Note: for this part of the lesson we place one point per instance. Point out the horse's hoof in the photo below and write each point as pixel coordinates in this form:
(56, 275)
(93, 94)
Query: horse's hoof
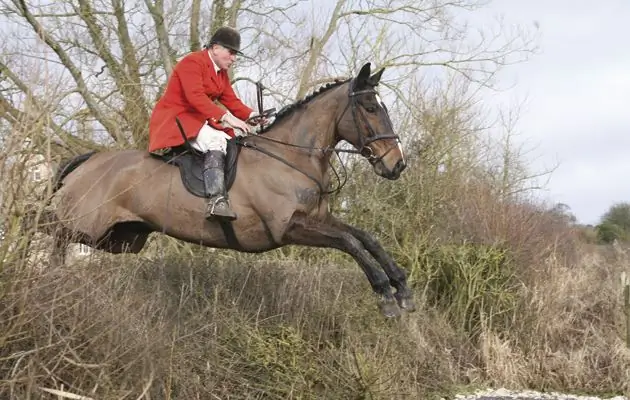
(389, 308)
(406, 303)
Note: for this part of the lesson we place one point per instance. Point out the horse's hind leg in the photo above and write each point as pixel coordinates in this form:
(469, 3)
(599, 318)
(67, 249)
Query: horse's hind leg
(397, 276)
(58, 254)
(28, 228)
(34, 221)
(319, 234)
(61, 240)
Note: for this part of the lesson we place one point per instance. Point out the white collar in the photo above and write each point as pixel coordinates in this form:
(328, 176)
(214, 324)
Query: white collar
(217, 69)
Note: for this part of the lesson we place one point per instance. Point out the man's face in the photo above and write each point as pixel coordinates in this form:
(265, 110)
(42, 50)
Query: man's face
(222, 56)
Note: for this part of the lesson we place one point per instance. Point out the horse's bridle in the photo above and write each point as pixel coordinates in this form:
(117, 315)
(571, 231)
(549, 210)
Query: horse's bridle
(363, 148)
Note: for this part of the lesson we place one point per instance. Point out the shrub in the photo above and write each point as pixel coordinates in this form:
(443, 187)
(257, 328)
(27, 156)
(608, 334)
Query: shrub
(609, 232)
(474, 284)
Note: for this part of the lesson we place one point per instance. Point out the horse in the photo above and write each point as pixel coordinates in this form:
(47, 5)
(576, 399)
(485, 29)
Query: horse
(278, 185)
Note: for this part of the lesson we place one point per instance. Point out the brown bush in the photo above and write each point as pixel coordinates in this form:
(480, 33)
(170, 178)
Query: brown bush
(183, 328)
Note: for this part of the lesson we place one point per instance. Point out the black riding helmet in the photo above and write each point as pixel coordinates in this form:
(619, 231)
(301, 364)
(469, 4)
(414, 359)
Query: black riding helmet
(228, 38)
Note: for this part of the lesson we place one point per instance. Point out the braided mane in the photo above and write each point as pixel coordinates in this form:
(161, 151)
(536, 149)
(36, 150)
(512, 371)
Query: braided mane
(289, 109)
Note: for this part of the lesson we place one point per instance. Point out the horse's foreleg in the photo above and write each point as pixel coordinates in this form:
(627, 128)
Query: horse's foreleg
(319, 234)
(397, 276)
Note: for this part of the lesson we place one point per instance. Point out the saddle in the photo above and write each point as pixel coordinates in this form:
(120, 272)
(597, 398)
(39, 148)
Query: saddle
(190, 164)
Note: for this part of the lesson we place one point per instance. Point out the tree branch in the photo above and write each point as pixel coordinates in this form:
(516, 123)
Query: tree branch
(32, 123)
(195, 15)
(317, 45)
(73, 69)
(167, 53)
(137, 115)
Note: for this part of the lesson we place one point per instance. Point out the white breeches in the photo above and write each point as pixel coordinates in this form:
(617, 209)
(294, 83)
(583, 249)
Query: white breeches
(210, 139)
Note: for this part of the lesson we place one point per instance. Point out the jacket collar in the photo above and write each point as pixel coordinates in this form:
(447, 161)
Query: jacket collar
(211, 62)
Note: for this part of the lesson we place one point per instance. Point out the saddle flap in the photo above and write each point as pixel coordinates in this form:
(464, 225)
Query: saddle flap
(190, 164)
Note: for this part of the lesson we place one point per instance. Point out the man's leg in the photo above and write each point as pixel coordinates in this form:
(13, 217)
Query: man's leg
(213, 144)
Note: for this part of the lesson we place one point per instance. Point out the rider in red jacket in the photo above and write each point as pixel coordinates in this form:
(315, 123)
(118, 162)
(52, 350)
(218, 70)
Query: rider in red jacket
(197, 81)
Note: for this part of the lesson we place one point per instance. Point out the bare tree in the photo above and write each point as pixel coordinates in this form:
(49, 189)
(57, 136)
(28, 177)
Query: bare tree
(109, 59)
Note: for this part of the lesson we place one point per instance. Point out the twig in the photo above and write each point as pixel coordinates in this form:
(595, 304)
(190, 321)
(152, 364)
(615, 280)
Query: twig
(65, 395)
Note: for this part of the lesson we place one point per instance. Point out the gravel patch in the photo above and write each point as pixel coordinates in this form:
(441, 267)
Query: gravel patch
(504, 394)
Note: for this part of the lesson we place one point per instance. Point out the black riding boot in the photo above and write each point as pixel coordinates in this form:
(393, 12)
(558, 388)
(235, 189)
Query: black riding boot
(214, 182)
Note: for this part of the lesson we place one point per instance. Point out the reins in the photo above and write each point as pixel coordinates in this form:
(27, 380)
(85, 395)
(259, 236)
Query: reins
(323, 150)
(364, 149)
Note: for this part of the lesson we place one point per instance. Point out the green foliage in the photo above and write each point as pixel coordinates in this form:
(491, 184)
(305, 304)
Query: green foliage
(608, 232)
(619, 214)
(615, 224)
(474, 284)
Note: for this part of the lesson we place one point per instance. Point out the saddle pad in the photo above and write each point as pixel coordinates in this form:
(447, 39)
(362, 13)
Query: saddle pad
(190, 164)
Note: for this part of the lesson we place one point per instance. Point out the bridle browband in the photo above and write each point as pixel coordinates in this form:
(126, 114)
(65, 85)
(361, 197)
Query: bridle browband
(363, 148)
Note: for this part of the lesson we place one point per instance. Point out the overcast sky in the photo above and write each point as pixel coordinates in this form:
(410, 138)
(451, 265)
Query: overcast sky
(577, 112)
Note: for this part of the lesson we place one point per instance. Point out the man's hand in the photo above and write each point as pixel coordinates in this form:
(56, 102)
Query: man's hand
(256, 119)
(260, 120)
(230, 120)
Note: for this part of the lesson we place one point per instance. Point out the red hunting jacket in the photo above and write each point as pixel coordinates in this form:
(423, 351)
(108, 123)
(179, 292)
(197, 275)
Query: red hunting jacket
(190, 91)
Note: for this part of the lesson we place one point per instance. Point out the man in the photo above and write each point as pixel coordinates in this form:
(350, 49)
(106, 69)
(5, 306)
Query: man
(197, 80)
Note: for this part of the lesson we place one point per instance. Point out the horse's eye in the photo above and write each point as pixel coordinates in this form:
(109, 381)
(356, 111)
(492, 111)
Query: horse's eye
(370, 109)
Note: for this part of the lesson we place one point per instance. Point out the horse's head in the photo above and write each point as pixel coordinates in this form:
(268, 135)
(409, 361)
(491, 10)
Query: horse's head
(365, 123)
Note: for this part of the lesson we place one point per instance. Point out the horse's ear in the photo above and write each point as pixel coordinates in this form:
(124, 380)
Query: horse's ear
(376, 78)
(363, 76)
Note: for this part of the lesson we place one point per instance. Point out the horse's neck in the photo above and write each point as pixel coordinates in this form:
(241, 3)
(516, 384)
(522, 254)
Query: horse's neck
(298, 140)
(314, 130)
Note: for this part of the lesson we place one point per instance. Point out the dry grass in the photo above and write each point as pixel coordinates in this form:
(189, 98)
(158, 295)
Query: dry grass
(184, 328)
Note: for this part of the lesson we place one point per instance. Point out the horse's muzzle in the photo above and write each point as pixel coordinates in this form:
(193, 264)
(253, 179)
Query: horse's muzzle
(392, 174)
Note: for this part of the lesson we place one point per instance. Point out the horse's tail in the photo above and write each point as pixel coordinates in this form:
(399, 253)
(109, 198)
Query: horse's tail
(40, 212)
(38, 216)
